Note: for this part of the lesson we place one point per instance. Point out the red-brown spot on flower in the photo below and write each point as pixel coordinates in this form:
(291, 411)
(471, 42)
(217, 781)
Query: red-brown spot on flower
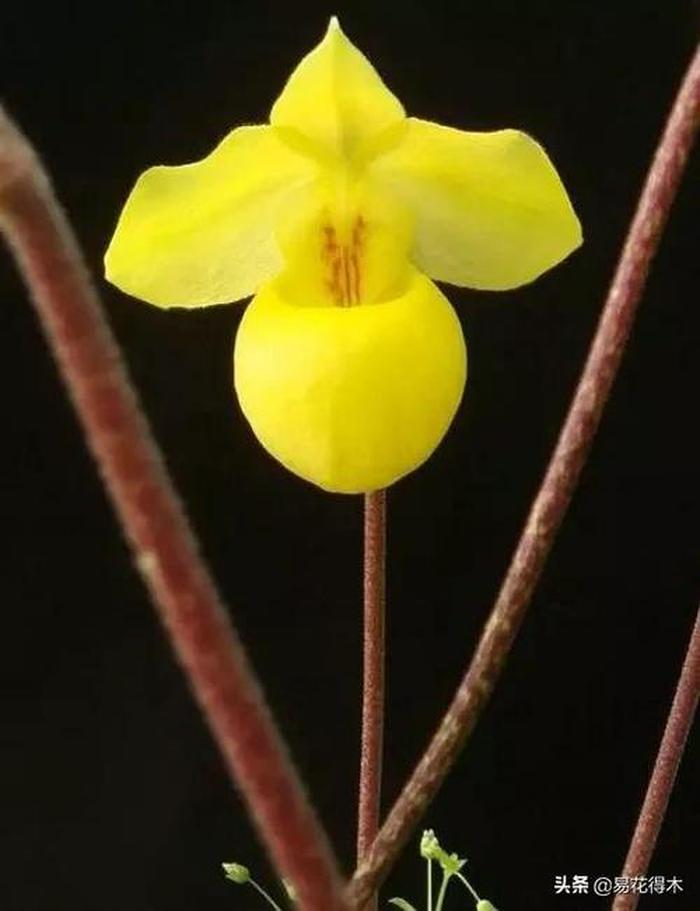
(342, 262)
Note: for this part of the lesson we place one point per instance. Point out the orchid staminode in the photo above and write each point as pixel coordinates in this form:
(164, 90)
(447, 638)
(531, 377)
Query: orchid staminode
(349, 363)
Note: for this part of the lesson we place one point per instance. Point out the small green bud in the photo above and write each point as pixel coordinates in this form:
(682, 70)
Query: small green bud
(237, 873)
(429, 845)
(430, 849)
(450, 863)
(484, 905)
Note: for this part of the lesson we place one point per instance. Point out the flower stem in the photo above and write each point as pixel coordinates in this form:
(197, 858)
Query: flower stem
(465, 882)
(155, 525)
(663, 776)
(555, 493)
(373, 673)
(266, 895)
(443, 890)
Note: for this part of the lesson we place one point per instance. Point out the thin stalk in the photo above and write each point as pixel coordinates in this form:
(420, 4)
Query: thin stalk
(155, 525)
(430, 885)
(373, 673)
(555, 493)
(663, 776)
(465, 882)
(442, 891)
(266, 895)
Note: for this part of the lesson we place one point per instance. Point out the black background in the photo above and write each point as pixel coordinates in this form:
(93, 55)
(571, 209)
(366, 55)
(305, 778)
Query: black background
(113, 798)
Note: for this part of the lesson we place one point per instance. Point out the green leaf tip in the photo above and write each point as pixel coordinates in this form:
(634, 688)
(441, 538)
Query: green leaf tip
(402, 904)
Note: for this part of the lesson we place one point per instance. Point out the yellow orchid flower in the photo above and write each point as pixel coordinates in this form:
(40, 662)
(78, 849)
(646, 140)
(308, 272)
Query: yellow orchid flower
(349, 363)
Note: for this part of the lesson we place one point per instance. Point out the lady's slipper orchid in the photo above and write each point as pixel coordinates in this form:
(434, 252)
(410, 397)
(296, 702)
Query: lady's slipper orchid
(349, 363)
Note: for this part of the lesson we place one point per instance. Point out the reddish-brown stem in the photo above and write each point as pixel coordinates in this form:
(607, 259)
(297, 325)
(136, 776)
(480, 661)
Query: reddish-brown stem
(156, 527)
(373, 673)
(555, 492)
(663, 776)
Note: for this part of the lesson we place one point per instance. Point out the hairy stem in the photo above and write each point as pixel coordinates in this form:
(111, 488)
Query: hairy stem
(373, 674)
(663, 776)
(155, 525)
(555, 492)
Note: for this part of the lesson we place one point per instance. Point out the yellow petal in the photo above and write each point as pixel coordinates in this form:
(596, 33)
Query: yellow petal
(203, 233)
(491, 211)
(336, 99)
(351, 398)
